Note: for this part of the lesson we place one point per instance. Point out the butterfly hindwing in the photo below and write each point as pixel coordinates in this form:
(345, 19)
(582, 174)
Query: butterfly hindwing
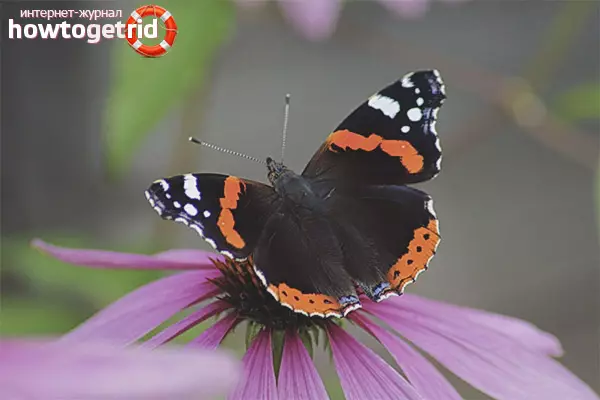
(389, 232)
(389, 139)
(228, 212)
(300, 261)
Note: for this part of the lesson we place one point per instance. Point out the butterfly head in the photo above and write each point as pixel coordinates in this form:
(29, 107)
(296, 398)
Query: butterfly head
(276, 170)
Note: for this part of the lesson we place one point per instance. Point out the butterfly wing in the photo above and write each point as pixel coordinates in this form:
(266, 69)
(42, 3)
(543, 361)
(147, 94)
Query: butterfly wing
(300, 261)
(389, 235)
(389, 139)
(228, 212)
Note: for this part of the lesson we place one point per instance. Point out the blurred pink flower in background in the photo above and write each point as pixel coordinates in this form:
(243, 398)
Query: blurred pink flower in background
(317, 19)
(503, 357)
(45, 370)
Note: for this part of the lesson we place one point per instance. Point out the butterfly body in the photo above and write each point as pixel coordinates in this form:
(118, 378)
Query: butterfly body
(348, 224)
(294, 189)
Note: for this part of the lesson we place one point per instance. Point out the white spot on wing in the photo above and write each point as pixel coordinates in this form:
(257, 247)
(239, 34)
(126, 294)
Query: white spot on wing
(414, 114)
(429, 206)
(351, 308)
(407, 81)
(164, 184)
(177, 204)
(386, 105)
(190, 185)
(387, 295)
(420, 101)
(206, 213)
(261, 276)
(190, 209)
(198, 229)
(405, 129)
(227, 253)
(417, 90)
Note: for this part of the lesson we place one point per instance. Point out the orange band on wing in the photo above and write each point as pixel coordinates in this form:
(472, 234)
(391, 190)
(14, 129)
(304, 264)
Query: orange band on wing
(231, 194)
(420, 250)
(310, 304)
(409, 156)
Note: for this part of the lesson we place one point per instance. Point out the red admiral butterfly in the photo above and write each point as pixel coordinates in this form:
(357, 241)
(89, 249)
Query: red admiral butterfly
(347, 223)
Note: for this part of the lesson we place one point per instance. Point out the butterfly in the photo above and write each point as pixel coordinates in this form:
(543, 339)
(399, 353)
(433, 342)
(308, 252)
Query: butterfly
(348, 224)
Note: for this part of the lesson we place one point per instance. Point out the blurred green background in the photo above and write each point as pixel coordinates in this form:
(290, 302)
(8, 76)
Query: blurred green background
(86, 128)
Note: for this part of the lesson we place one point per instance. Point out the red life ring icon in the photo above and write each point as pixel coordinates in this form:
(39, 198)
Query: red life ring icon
(151, 11)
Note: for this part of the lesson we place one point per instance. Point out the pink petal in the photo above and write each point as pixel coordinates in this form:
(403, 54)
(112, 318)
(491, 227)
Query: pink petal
(173, 259)
(185, 324)
(363, 374)
(213, 336)
(42, 370)
(493, 363)
(519, 331)
(142, 310)
(201, 258)
(259, 377)
(314, 19)
(298, 377)
(428, 381)
(407, 8)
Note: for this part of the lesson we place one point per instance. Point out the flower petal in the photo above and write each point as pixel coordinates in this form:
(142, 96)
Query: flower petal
(519, 331)
(185, 324)
(407, 8)
(43, 370)
(113, 259)
(428, 381)
(314, 19)
(363, 374)
(493, 363)
(202, 259)
(142, 310)
(259, 377)
(298, 377)
(213, 336)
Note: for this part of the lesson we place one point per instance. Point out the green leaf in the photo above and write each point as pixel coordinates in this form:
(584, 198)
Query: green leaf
(277, 343)
(308, 342)
(579, 102)
(252, 330)
(143, 89)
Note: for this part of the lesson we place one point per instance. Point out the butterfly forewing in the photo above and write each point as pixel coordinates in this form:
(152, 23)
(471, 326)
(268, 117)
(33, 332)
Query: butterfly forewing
(228, 212)
(389, 139)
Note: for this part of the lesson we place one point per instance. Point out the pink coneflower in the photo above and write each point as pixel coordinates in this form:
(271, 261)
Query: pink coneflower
(317, 19)
(35, 369)
(503, 357)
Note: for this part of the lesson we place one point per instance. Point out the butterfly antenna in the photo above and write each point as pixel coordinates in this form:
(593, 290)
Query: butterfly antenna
(226, 151)
(286, 116)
